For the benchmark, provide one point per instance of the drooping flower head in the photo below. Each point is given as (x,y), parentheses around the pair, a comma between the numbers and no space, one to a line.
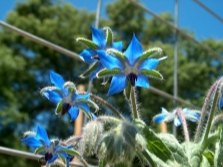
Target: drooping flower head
(166,116)
(99,42)
(39,140)
(133,66)
(65,95)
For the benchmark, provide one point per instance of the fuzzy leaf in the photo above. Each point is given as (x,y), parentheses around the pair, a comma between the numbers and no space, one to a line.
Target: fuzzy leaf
(154,143)
(218,161)
(194,153)
(210,157)
(151,53)
(174,146)
(88,43)
(91,68)
(109,36)
(115,53)
(205,162)
(59,108)
(152,73)
(39,149)
(106,73)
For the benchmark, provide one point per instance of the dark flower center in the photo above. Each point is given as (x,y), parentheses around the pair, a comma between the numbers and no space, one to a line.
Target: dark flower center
(132,78)
(95,57)
(48,156)
(65,108)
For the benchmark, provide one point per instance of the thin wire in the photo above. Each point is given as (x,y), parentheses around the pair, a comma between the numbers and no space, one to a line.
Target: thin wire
(209,10)
(41,41)
(27,155)
(177,29)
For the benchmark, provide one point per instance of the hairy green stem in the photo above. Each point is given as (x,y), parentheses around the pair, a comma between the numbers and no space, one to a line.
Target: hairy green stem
(109,106)
(210,118)
(184,124)
(203,112)
(108,118)
(133,103)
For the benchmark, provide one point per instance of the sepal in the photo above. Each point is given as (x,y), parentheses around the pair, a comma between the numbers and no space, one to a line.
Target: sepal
(88,43)
(50,88)
(59,108)
(70,85)
(151,53)
(107,73)
(115,53)
(91,68)
(109,36)
(152,74)
(39,149)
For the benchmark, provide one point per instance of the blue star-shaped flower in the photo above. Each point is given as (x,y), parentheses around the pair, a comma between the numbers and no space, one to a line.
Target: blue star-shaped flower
(99,42)
(41,141)
(64,95)
(174,116)
(132,66)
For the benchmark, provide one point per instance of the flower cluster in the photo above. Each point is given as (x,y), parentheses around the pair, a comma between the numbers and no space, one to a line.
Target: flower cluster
(114,141)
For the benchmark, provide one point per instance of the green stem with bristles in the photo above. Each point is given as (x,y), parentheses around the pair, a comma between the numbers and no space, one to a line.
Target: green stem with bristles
(109,106)
(184,124)
(133,103)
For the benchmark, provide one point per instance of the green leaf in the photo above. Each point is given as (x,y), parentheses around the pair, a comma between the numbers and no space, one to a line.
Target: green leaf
(152,74)
(59,108)
(174,146)
(205,162)
(154,143)
(150,53)
(88,43)
(39,149)
(106,73)
(71,152)
(91,68)
(127,91)
(210,157)
(109,36)
(102,163)
(115,53)
(218,160)
(194,152)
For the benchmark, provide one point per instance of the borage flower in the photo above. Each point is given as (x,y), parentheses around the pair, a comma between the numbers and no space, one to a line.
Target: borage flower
(167,117)
(39,140)
(65,95)
(99,42)
(133,66)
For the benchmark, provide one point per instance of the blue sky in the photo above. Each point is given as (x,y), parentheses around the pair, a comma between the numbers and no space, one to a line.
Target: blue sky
(191,15)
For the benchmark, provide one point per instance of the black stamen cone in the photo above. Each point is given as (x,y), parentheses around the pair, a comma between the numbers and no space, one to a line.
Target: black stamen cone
(95,57)
(48,156)
(65,109)
(132,78)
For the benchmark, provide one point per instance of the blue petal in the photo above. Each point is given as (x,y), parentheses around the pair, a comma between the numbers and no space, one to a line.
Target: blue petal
(52,96)
(118,84)
(56,79)
(117,45)
(134,50)
(98,37)
(81,96)
(93,74)
(31,141)
(149,64)
(42,135)
(164,111)
(52,159)
(84,106)
(177,121)
(110,62)
(86,55)
(142,81)
(74,111)
(159,118)
(220,102)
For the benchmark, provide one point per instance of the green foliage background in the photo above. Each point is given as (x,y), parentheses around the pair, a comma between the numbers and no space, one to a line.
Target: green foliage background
(25,65)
